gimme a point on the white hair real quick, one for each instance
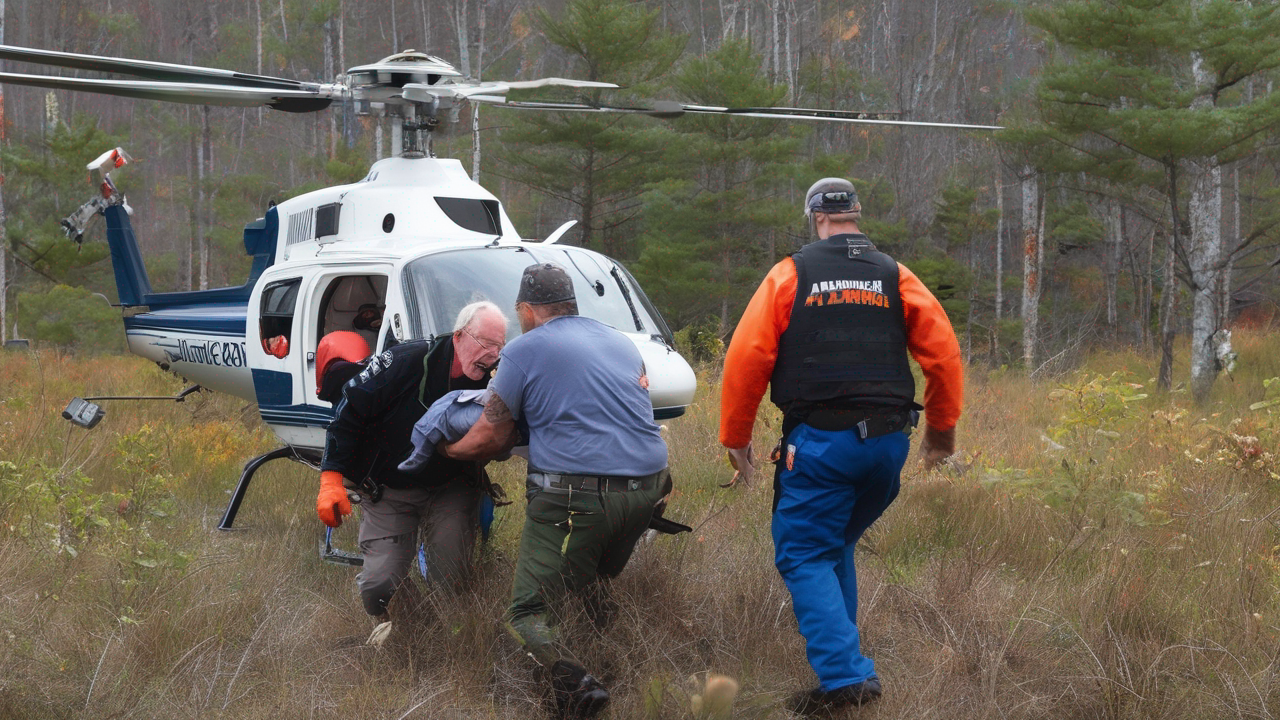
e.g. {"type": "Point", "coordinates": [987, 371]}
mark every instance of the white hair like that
{"type": "Point", "coordinates": [467, 314]}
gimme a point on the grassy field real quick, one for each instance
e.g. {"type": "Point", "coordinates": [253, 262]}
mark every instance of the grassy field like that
{"type": "Point", "coordinates": [1099, 550]}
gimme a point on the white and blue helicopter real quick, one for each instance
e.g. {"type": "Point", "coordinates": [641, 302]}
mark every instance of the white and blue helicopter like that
{"type": "Point", "coordinates": [416, 239]}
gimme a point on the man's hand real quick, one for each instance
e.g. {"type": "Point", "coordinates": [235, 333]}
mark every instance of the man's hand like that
{"type": "Point", "coordinates": [938, 445]}
{"type": "Point", "coordinates": [332, 503]}
{"type": "Point", "coordinates": [743, 460]}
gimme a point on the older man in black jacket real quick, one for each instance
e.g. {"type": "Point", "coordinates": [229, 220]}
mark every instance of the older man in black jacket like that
{"type": "Point", "coordinates": [371, 433]}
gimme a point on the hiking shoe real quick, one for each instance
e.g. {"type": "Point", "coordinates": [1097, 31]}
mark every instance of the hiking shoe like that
{"type": "Point", "coordinates": [822, 703]}
{"type": "Point", "coordinates": [577, 693]}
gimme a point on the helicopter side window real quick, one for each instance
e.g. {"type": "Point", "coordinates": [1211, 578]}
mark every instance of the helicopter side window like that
{"type": "Point", "coordinates": [278, 301]}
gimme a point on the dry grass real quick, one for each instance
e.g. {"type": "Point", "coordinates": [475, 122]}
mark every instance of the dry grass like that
{"type": "Point", "coordinates": [1131, 575]}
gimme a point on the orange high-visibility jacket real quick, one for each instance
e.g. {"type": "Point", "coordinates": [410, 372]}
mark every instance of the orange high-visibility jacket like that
{"type": "Point", "coordinates": [749, 363]}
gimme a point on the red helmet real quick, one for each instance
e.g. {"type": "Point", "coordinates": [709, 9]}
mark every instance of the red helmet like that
{"type": "Point", "coordinates": [340, 345]}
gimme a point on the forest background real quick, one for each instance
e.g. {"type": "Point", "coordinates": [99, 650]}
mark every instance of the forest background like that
{"type": "Point", "coordinates": [1132, 199]}
{"type": "Point", "coordinates": [1098, 549]}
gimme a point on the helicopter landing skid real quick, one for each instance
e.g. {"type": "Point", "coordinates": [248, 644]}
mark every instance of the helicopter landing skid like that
{"type": "Point", "coordinates": [237, 496]}
{"type": "Point", "coordinates": [330, 554]}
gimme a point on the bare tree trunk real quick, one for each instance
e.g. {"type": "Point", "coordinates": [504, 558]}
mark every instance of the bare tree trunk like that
{"type": "Point", "coordinates": [475, 107]}
{"type": "Point", "coordinates": [464, 41]}
{"type": "Point", "coordinates": [777, 43]}
{"type": "Point", "coordinates": [257, 7]}
{"type": "Point", "coordinates": [193, 207]}
{"type": "Point", "coordinates": [1229, 244]}
{"type": "Point", "coordinates": [205, 172]}
{"type": "Point", "coordinates": [1031, 259]}
{"type": "Point", "coordinates": [328, 74]}
{"type": "Point", "coordinates": [1112, 262]}
{"type": "Point", "coordinates": [588, 200]}
{"type": "Point", "coordinates": [395, 34]}
{"type": "Point", "coordinates": [426, 27]}
{"type": "Point", "coordinates": [4, 236]}
{"type": "Point", "coordinates": [1205, 211]}
{"type": "Point", "coordinates": [999, 246]}
{"type": "Point", "coordinates": [791, 71]}
{"type": "Point", "coordinates": [1205, 215]}
{"type": "Point", "coordinates": [1167, 295]}
{"type": "Point", "coordinates": [284, 24]}
{"type": "Point", "coordinates": [1148, 291]}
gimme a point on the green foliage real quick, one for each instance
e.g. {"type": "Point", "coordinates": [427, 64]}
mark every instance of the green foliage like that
{"type": "Point", "coordinates": [60, 513]}
{"type": "Point", "coordinates": [723, 216]}
{"type": "Point", "coordinates": [1095, 406]}
{"type": "Point", "coordinates": [948, 279]}
{"type": "Point", "coordinates": [1118, 102]}
{"type": "Point", "coordinates": [44, 182]}
{"type": "Point", "coordinates": [958, 221]}
{"type": "Point", "coordinates": [1088, 482]}
{"type": "Point", "coordinates": [71, 319]}
{"type": "Point", "coordinates": [1071, 227]}
{"type": "Point", "coordinates": [700, 342]}
{"type": "Point", "coordinates": [598, 164]}
{"type": "Point", "coordinates": [612, 41]}
{"type": "Point", "coordinates": [1271, 396]}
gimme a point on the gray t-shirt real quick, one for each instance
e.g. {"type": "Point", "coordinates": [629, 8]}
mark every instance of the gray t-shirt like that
{"type": "Point", "coordinates": [576, 382]}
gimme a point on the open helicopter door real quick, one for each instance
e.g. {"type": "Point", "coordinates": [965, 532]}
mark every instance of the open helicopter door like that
{"type": "Point", "coordinates": [353, 299]}
{"type": "Point", "coordinates": [276, 327]}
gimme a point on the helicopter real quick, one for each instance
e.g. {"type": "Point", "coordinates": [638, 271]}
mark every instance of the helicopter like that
{"type": "Point", "coordinates": [415, 240]}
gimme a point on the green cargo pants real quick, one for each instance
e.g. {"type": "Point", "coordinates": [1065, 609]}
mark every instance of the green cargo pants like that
{"type": "Point", "coordinates": [570, 540]}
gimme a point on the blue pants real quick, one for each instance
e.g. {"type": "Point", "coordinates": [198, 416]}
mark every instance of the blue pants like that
{"type": "Point", "coordinates": [837, 486]}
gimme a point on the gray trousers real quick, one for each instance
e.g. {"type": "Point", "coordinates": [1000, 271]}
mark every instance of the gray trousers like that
{"type": "Point", "coordinates": [449, 517]}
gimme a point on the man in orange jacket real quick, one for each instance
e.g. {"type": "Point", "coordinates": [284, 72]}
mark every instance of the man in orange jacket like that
{"type": "Point", "coordinates": [830, 329]}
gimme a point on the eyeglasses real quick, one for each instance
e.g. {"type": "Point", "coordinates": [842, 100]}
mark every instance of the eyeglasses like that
{"type": "Point", "coordinates": [486, 346]}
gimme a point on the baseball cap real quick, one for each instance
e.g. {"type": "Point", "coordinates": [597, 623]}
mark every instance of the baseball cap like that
{"type": "Point", "coordinates": [545, 283]}
{"type": "Point", "coordinates": [830, 195]}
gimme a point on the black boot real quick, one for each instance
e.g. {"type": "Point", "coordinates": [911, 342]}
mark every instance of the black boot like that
{"type": "Point", "coordinates": [577, 693]}
{"type": "Point", "coordinates": [821, 703]}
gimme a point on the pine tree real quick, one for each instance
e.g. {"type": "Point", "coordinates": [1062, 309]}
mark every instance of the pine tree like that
{"type": "Point", "coordinates": [708, 227]}
{"type": "Point", "coordinates": [596, 164]}
{"type": "Point", "coordinates": [1147, 92]}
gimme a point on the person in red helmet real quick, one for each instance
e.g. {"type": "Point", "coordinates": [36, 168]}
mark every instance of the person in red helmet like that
{"type": "Point", "coordinates": [339, 357]}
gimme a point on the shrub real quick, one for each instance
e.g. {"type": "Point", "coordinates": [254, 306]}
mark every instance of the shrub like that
{"type": "Point", "coordinates": [70, 319]}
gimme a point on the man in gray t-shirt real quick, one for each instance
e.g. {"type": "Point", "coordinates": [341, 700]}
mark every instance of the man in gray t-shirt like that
{"type": "Point", "coordinates": [597, 465]}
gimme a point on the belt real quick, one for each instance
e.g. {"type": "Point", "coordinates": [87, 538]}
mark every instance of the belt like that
{"type": "Point", "coordinates": [869, 423]}
{"type": "Point", "coordinates": [565, 483]}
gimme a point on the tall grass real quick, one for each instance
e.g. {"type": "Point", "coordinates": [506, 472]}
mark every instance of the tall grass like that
{"type": "Point", "coordinates": [1093, 553]}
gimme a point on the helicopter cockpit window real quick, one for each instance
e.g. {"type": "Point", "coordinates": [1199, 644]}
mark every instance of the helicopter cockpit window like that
{"type": "Point", "coordinates": [476, 215]}
{"type": "Point", "coordinates": [438, 286]}
{"type": "Point", "coordinates": [278, 301]}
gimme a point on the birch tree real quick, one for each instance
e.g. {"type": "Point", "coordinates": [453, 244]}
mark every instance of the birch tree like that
{"type": "Point", "coordinates": [4, 238]}
{"type": "Point", "coordinates": [1032, 263]}
{"type": "Point", "coordinates": [1139, 100]}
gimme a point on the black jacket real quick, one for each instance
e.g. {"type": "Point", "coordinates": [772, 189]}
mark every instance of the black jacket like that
{"type": "Point", "coordinates": [372, 426]}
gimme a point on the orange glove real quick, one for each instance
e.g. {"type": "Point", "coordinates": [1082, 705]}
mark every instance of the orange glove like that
{"type": "Point", "coordinates": [332, 503]}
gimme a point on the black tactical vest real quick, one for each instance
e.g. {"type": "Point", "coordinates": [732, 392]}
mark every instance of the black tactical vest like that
{"type": "Point", "coordinates": [846, 343]}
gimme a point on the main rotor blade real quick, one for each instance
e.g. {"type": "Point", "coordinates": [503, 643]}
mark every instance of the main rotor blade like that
{"type": "Point", "coordinates": [297, 101]}
{"type": "Point", "coordinates": [419, 92]}
{"type": "Point", "coordinates": [674, 110]}
{"type": "Point", "coordinates": [148, 69]}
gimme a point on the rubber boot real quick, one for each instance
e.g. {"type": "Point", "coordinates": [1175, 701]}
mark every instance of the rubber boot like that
{"type": "Point", "coordinates": [577, 693]}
